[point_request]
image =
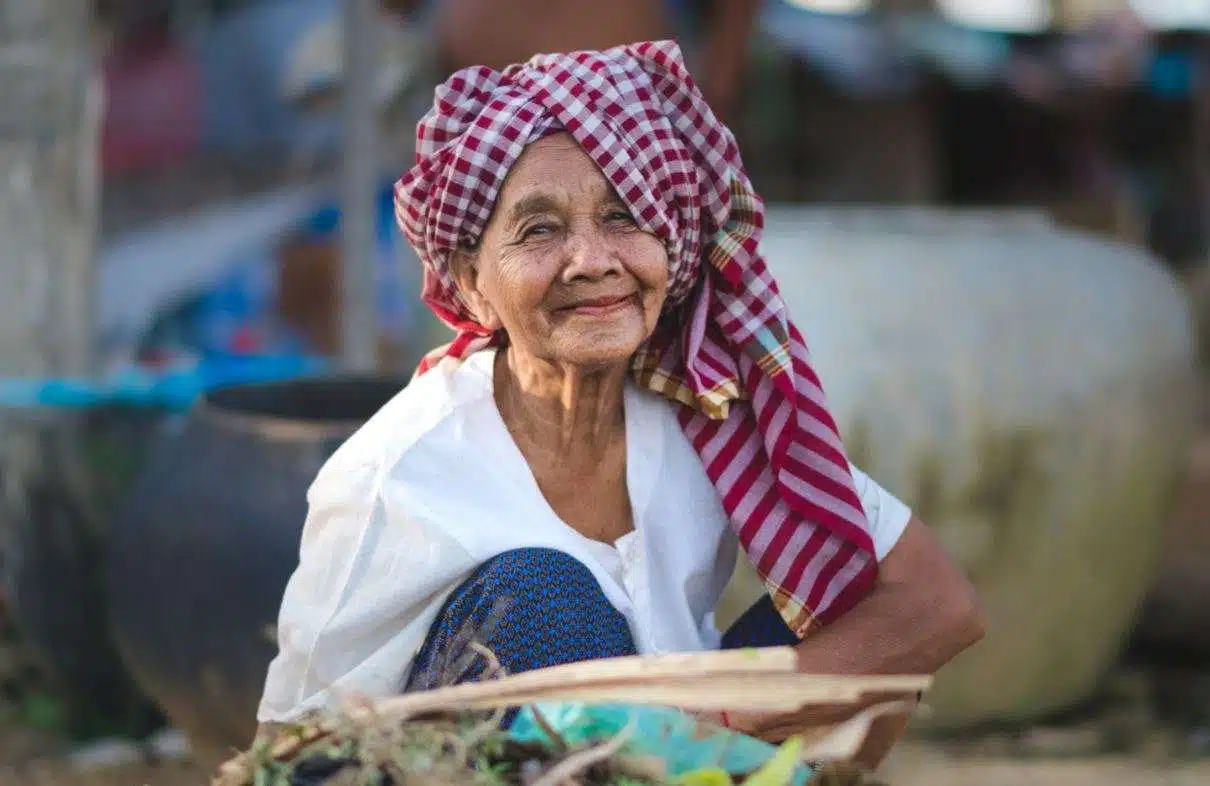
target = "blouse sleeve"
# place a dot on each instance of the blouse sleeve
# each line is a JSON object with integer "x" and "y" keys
{"x": 887, "y": 515}
{"x": 369, "y": 582}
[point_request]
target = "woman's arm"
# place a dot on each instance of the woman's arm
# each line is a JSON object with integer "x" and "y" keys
{"x": 920, "y": 615}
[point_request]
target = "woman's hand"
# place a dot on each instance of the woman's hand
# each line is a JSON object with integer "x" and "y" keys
{"x": 779, "y": 727}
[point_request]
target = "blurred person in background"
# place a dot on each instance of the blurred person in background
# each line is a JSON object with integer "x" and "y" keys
{"x": 154, "y": 101}
{"x": 246, "y": 57}
{"x": 495, "y": 34}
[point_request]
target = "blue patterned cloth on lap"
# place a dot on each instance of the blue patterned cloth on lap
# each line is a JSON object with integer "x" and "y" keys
{"x": 536, "y": 607}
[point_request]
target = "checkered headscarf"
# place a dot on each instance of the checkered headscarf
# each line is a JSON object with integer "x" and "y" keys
{"x": 725, "y": 347}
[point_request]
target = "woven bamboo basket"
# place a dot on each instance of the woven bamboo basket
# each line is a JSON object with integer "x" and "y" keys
{"x": 452, "y": 735}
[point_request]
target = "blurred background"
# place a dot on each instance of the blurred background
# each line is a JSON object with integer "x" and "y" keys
{"x": 991, "y": 219}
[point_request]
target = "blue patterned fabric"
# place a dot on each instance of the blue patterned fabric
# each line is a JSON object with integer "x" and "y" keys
{"x": 534, "y": 608}
{"x": 760, "y": 626}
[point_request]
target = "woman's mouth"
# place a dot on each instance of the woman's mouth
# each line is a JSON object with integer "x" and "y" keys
{"x": 598, "y": 307}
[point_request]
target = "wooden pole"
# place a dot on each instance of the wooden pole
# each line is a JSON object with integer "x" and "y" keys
{"x": 359, "y": 251}
{"x": 50, "y": 109}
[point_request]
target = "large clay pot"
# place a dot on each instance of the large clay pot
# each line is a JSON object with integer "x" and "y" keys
{"x": 1029, "y": 391}
{"x": 64, "y": 471}
{"x": 1175, "y": 622}
{"x": 206, "y": 543}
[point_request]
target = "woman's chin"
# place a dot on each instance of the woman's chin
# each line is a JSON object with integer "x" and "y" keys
{"x": 599, "y": 352}
{"x": 597, "y": 358}
{"x": 604, "y": 344}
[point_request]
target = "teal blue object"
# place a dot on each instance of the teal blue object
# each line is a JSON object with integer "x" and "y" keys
{"x": 1173, "y": 75}
{"x": 173, "y": 390}
{"x": 666, "y": 733}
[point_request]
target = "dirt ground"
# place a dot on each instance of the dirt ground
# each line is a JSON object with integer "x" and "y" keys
{"x": 913, "y": 764}
{"x": 922, "y": 765}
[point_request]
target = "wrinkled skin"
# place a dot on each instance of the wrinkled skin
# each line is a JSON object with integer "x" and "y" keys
{"x": 559, "y": 240}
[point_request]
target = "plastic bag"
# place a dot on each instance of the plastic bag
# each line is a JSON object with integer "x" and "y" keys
{"x": 675, "y": 737}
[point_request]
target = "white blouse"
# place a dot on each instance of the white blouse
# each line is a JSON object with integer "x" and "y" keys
{"x": 433, "y": 485}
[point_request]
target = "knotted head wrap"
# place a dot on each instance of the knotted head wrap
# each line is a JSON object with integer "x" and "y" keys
{"x": 725, "y": 348}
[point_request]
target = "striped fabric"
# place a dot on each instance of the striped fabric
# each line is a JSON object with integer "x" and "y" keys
{"x": 725, "y": 347}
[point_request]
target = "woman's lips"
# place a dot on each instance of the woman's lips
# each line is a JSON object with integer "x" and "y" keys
{"x": 598, "y": 307}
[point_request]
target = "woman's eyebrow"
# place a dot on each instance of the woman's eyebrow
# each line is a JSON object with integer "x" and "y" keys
{"x": 611, "y": 199}
{"x": 529, "y": 205}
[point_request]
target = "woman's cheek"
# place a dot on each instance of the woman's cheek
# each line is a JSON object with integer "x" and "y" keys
{"x": 528, "y": 285}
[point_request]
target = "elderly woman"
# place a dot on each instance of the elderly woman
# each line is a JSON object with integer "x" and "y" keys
{"x": 626, "y": 405}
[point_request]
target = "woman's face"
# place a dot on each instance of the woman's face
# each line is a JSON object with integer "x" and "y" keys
{"x": 561, "y": 265}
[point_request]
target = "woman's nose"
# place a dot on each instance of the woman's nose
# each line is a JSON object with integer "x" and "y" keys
{"x": 590, "y": 257}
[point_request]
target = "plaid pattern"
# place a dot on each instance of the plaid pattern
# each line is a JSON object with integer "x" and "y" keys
{"x": 725, "y": 346}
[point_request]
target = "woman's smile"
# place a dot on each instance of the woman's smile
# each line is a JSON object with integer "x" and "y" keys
{"x": 598, "y": 307}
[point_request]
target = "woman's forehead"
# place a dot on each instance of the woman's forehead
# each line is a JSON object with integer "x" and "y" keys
{"x": 557, "y": 168}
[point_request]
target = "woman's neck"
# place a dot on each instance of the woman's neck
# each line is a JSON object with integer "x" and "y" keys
{"x": 566, "y": 409}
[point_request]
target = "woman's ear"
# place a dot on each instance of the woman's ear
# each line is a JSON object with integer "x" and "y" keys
{"x": 464, "y": 267}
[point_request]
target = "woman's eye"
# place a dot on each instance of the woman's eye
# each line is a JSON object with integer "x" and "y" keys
{"x": 537, "y": 230}
{"x": 619, "y": 215}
